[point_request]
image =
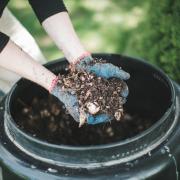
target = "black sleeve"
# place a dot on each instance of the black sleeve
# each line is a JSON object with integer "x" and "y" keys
{"x": 3, "y": 4}
{"x": 3, "y": 40}
{"x": 46, "y": 8}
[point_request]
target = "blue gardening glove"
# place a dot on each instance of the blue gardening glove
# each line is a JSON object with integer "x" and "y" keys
{"x": 70, "y": 101}
{"x": 105, "y": 70}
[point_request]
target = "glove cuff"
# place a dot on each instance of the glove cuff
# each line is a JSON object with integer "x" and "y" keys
{"x": 84, "y": 55}
{"x": 53, "y": 84}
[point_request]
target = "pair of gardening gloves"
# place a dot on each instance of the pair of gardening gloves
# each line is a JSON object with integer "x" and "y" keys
{"x": 105, "y": 70}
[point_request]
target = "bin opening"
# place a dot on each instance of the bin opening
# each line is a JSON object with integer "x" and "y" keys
{"x": 42, "y": 116}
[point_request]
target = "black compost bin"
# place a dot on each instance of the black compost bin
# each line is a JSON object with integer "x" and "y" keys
{"x": 151, "y": 154}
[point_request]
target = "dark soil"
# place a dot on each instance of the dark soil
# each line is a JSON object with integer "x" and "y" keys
{"x": 95, "y": 95}
{"x": 47, "y": 119}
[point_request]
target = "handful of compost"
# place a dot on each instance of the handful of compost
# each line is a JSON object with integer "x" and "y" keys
{"x": 93, "y": 91}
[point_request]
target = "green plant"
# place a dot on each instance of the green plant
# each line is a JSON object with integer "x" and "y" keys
{"x": 159, "y": 39}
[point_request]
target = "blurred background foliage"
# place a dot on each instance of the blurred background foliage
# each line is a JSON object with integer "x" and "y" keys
{"x": 145, "y": 29}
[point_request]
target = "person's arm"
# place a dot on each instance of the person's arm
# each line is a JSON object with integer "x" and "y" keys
{"x": 53, "y": 16}
{"x": 60, "y": 29}
{"x": 13, "y": 58}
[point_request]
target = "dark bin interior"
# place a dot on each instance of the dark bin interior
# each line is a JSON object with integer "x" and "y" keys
{"x": 149, "y": 98}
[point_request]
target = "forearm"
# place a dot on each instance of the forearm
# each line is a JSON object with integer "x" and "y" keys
{"x": 53, "y": 16}
{"x": 16, "y": 60}
{"x": 61, "y": 30}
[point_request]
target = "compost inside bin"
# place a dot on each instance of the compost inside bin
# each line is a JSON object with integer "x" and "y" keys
{"x": 47, "y": 119}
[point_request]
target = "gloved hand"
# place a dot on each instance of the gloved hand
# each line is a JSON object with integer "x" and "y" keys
{"x": 105, "y": 70}
{"x": 70, "y": 101}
